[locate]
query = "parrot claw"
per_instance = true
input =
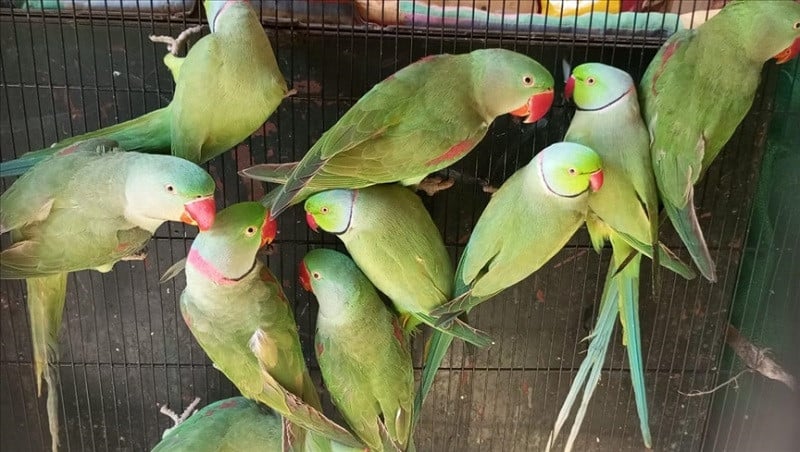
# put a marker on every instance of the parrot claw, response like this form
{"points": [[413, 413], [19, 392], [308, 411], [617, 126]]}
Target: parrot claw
{"points": [[190, 410], [290, 93], [488, 188], [174, 44], [433, 184], [137, 256]]}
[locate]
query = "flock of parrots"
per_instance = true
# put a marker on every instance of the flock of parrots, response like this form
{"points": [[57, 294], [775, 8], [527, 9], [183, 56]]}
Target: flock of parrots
{"points": [[95, 199]]}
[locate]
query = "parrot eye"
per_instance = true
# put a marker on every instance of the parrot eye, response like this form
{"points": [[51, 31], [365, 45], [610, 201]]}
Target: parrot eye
{"points": [[324, 210], [572, 171], [796, 25], [527, 80], [250, 231], [590, 81], [316, 275], [170, 188]]}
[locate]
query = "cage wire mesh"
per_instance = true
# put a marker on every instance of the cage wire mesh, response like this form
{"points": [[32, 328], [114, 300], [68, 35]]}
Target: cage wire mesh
{"points": [[125, 349]]}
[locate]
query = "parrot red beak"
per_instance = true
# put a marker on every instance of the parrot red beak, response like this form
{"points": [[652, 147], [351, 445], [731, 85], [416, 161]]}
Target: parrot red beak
{"points": [[788, 53], [596, 180], [312, 223], [200, 212], [304, 276], [537, 106], [569, 87], [268, 230]]}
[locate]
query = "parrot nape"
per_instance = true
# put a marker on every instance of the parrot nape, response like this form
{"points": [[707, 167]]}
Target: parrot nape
{"points": [[417, 121], [89, 207], [625, 212], [363, 354], [225, 88], [697, 90], [527, 221], [234, 424], [240, 316]]}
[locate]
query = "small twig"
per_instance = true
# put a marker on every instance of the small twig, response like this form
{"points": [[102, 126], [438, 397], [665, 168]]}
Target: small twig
{"points": [[185, 415], [734, 379]]}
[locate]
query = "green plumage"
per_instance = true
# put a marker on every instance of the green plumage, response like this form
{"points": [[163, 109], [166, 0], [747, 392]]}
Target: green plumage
{"points": [[417, 121], [231, 425], [393, 239], [228, 84], [86, 209], [527, 221], [697, 90], [362, 352], [241, 317]]}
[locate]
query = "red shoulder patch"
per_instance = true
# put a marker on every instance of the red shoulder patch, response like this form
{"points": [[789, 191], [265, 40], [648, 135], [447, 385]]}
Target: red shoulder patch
{"points": [[669, 51], [455, 152], [68, 150], [229, 404], [320, 349], [398, 332]]}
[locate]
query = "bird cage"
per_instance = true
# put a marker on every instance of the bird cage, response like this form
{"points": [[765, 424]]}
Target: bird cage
{"points": [[72, 66]]}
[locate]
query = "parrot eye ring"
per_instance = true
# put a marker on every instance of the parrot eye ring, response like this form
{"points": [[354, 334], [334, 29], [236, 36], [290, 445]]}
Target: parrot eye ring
{"points": [[590, 81], [527, 80], [572, 171], [324, 210], [250, 231], [797, 25], [316, 275], [170, 188]]}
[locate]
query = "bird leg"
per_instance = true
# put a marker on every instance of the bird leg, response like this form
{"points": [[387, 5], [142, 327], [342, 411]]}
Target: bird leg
{"points": [[435, 183], [175, 44]]}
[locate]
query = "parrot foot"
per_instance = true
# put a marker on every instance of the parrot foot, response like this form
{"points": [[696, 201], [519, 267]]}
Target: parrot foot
{"points": [[137, 256], [190, 410], [433, 184], [290, 93], [175, 44], [488, 188]]}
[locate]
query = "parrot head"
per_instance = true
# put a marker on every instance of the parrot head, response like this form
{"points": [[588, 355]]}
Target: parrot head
{"points": [[171, 188], [510, 82], [571, 169], [330, 210], [333, 278], [231, 245], [595, 86], [768, 29], [219, 9]]}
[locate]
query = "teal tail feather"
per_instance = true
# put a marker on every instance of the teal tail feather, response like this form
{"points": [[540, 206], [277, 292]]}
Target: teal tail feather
{"points": [[436, 351], [688, 228], [621, 294], [46, 296], [147, 133]]}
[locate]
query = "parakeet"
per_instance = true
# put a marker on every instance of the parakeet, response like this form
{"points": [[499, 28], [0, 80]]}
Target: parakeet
{"points": [[698, 89], [363, 354], [417, 121], [625, 212], [527, 221], [228, 84], [393, 239], [88, 207], [234, 424], [239, 314]]}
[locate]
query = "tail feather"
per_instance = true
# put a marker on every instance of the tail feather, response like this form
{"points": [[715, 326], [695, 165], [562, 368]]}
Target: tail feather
{"points": [[460, 330], [147, 133], [277, 173], [46, 296], [685, 222], [437, 349]]}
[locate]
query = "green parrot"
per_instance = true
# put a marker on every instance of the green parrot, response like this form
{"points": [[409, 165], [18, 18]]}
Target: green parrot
{"points": [[226, 87], [89, 207], [368, 371], [393, 239], [234, 424], [417, 121], [238, 313], [697, 90], [625, 212], [547, 198]]}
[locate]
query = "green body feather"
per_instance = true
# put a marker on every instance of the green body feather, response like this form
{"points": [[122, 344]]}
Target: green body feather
{"points": [[228, 84], [697, 90]]}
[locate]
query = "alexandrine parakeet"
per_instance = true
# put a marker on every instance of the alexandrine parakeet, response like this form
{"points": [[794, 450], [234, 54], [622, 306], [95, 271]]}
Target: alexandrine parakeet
{"points": [[228, 84], [527, 221], [234, 424], [240, 316], [363, 353], [698, 89], [417, 121], [391, 236], [625, 212], [89, 207]]}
